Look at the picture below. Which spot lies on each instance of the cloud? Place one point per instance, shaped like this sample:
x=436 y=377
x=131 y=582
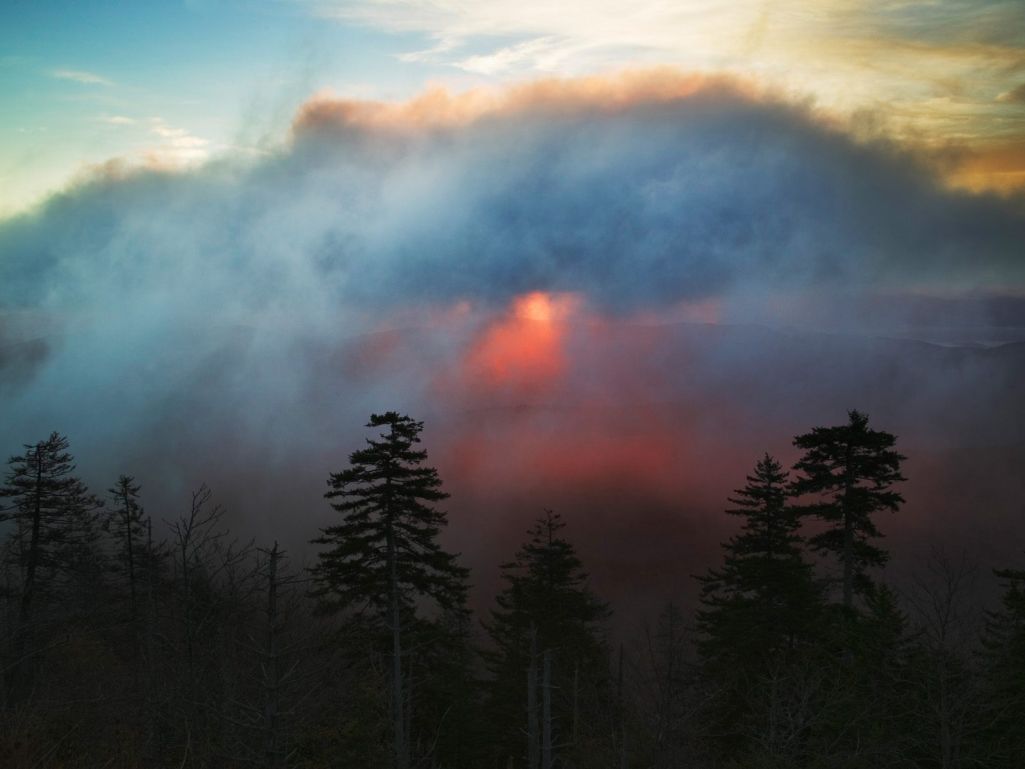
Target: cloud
x=438 y=107
x=543 y=54
x=638 y=190
x=999 y=166
x=899 y=59
x=81 y=76
x=179 y=138
x=176 y=147
x=510 y=266
x=1014 y=96
x=602 y=25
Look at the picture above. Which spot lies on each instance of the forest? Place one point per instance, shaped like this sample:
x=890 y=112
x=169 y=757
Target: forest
x=138 y=638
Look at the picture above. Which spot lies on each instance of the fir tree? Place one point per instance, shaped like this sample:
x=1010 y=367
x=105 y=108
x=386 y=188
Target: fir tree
x=384 y=555
x=546 y=610
x=758 y=610
x=867 y=719
x=53 y=535
x=444 y=692
x=1004 y=673
x=763 y=597
x=128 y=526
x=851 y=470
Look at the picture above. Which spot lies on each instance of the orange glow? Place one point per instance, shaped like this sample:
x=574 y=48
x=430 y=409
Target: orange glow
x=523 y=350
x=438 y=107
x=536 y=306
x=990 y=164
x=998 y=167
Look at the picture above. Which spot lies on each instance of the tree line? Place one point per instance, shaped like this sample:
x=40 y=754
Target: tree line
x=134 y=642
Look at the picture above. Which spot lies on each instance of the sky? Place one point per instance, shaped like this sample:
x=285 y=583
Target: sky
x=610 y=254
x=176 y=83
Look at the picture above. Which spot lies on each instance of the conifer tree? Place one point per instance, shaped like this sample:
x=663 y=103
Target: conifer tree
x=128 y=526
x=384 y=555
x=444 y=692
x=851 y=470
x=545 y=610
x=867 y=720
x=758 y=610
x=1004 y=671
x=54 y=516
x=763 y=597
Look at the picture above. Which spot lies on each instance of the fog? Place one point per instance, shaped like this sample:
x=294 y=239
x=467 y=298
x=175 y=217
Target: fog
x=607 y=297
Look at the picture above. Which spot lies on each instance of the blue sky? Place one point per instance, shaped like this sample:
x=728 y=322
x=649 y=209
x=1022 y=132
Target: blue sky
x=84 y=82
x=173 y=83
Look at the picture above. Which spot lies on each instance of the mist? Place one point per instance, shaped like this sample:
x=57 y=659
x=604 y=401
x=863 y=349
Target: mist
x=607 y=297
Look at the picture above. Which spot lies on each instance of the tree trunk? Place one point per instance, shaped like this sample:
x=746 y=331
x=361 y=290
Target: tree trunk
x=273 y=755
x=21 y=671
x=848 y=536
x=398 y=722
x=131 y=556
x=576 y=702
x=410 y=683
x=848 y=564
x=32 y=563
x=533 y=743
x=154 y=741
x=546 y=725
x=621 y=712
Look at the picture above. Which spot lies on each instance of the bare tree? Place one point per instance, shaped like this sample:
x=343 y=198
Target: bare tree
x=214 y=581
x=944 y=606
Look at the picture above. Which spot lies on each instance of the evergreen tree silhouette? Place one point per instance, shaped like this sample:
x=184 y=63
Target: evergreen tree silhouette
x=763 y=597
x=127 y=524
x=758 y=610
x=851 y=470
x=54 y=536
x=545 y=609
x=384 y=555
x=866 y=718
x=1004 y=673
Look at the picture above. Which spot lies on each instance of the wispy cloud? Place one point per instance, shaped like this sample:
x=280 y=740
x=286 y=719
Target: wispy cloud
x=543 y=53
x=1014 y=96
x=178 y=145
x=118 y=120
x=903 y=60
x=81 y=76
x=523 y=34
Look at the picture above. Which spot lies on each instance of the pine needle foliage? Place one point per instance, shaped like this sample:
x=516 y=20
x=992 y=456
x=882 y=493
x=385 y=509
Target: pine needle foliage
x=386 y=498
x=850 y=470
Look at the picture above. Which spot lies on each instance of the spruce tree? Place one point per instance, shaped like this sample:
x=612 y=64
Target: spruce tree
x=546 y=611
x=851 y=470
x=53 y=515
x=867 y=718
x=128 y=526
x=758 y=610
x=1004 y=673
x=384 y=556
x=763 y=597
x=444 y=691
